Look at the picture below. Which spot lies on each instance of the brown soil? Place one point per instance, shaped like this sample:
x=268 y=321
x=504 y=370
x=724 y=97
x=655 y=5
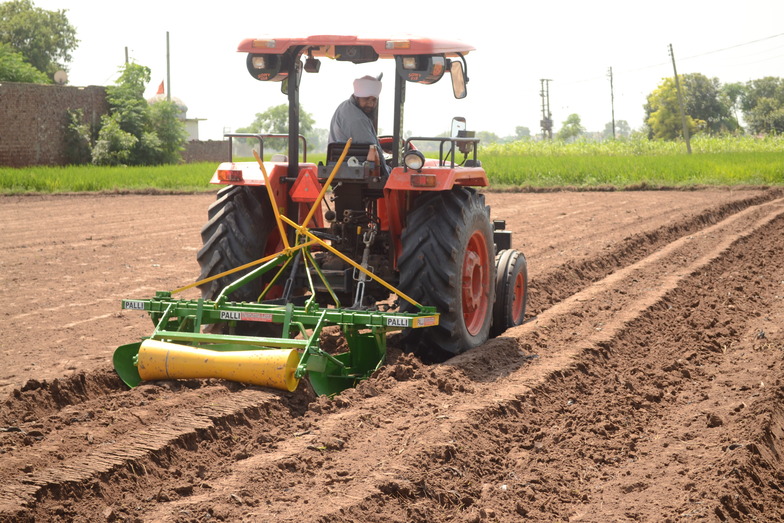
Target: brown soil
x=647 y=385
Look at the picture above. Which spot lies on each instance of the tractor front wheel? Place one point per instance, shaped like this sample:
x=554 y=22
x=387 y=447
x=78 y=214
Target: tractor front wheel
x=447 y=262
x=511 y=290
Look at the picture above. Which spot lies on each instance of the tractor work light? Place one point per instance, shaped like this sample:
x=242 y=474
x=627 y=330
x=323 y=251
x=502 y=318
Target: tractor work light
x=229 y=175
x=264 y=44
x=423 y=180
x=409 y=63
x=422 y=69
x=398 y=44
x=267 y=67
x=414 y=160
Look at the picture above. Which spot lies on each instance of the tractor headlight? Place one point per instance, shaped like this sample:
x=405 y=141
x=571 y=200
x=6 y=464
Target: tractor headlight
x=414 y=160
x=409 y=62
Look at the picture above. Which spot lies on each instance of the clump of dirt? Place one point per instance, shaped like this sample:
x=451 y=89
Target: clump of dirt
x=37 y=399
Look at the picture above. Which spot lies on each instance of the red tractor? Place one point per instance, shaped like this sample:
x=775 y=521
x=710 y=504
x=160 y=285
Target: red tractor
x=416 y=223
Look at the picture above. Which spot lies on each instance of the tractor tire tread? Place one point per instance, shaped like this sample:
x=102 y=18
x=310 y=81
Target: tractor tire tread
x=430 y=268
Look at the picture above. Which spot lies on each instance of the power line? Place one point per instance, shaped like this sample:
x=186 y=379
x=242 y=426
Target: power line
x=733 y=47
x=663 y=64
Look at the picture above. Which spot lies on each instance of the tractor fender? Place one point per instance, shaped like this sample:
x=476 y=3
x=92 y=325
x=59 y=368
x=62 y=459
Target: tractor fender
x=303 y=191
x=435 y=178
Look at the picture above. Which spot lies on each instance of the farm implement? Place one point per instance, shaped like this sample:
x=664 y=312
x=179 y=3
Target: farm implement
x=271 y=362
x=377 y=238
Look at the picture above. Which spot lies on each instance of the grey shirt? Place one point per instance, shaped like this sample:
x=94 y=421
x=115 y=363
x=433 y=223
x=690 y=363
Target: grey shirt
x=349 y=121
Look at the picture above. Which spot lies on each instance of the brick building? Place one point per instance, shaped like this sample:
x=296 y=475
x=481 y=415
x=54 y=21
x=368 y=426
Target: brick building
x=34 y=117
x=34 y=120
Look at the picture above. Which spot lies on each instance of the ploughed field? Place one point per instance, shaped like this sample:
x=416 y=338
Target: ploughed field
x=646 y=385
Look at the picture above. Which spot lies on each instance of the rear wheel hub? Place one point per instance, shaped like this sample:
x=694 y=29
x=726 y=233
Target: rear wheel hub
x=476 y=279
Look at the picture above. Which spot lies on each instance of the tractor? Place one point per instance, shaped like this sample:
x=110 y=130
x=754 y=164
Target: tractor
x=369 y=241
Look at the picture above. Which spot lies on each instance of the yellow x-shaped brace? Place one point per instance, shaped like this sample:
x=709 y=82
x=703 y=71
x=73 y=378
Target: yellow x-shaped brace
x=302 y=230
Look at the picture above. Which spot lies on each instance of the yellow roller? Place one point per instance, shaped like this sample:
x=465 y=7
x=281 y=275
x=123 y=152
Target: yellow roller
x=267 y=368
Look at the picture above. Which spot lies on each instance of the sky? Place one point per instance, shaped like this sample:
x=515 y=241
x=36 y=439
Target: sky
x=572 y=43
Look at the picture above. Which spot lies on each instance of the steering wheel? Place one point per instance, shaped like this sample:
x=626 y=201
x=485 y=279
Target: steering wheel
x=387 y=142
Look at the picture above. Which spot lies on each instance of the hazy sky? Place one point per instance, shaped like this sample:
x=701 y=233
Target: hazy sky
x=574 y=43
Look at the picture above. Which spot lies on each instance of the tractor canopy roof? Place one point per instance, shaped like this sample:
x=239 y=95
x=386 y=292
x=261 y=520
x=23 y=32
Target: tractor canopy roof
x=417 y=60
x=356 y=49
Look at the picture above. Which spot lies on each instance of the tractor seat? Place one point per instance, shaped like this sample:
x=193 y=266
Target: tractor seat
x=357 y=150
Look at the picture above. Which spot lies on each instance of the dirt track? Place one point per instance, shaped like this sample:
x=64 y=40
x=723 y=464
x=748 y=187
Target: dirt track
x=646 y=387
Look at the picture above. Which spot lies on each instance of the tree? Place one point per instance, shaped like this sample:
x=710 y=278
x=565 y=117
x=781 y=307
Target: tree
x=166 y=125
x=487 y=137
x=522 y=133
x=275 y=120
x=78 y=138
x=126 y=97
x=134 y=133
x=622 y=130
x=114 y=146
x=45 y=38
x=662 y=113
x=704 y=102
x=763 y=105
x=14 y=68
x=732 y=94
x=706 y=108
x=571 y=129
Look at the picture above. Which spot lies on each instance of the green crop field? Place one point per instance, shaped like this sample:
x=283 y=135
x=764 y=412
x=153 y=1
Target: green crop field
x=192 y=177
x=636 y=163
x=622 y=164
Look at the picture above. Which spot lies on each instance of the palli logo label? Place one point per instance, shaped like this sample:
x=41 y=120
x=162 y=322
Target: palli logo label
x=245 y=316
x=397 y=322
x=133 y=304
x=230 y=315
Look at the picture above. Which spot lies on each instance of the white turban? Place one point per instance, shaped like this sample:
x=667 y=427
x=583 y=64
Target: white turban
x=367 y=86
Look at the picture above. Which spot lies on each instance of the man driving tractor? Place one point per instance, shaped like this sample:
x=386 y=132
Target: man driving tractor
x=354 y=117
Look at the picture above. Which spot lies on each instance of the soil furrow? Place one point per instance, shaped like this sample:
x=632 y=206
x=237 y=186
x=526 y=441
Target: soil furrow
x=676 y=263
x=35 y=466
x=653 y=364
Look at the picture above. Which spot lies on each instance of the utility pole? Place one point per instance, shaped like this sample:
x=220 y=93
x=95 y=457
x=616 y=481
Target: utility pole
x=680 y=103
x=547 y=117
x=612 y=101
x=168 y=70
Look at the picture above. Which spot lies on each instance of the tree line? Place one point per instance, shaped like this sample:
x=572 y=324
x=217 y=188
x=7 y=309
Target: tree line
x=710 y=107
x=714 y=108
x=36 y=43
x=755 y=107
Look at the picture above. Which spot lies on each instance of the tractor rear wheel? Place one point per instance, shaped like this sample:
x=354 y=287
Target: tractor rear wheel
x=237 y=232
x=447 y=262
x=511 y=290
x=240 y=229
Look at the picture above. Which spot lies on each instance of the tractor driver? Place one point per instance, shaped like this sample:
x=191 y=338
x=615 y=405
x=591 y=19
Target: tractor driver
x=354 y=117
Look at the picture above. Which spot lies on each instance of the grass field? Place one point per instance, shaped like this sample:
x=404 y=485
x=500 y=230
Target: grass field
x=637 y=163
x=623 y=164
x=192 y=177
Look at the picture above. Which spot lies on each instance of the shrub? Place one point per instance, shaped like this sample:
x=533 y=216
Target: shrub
x=78 y=138
x=136 y=133
x=114 y=146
